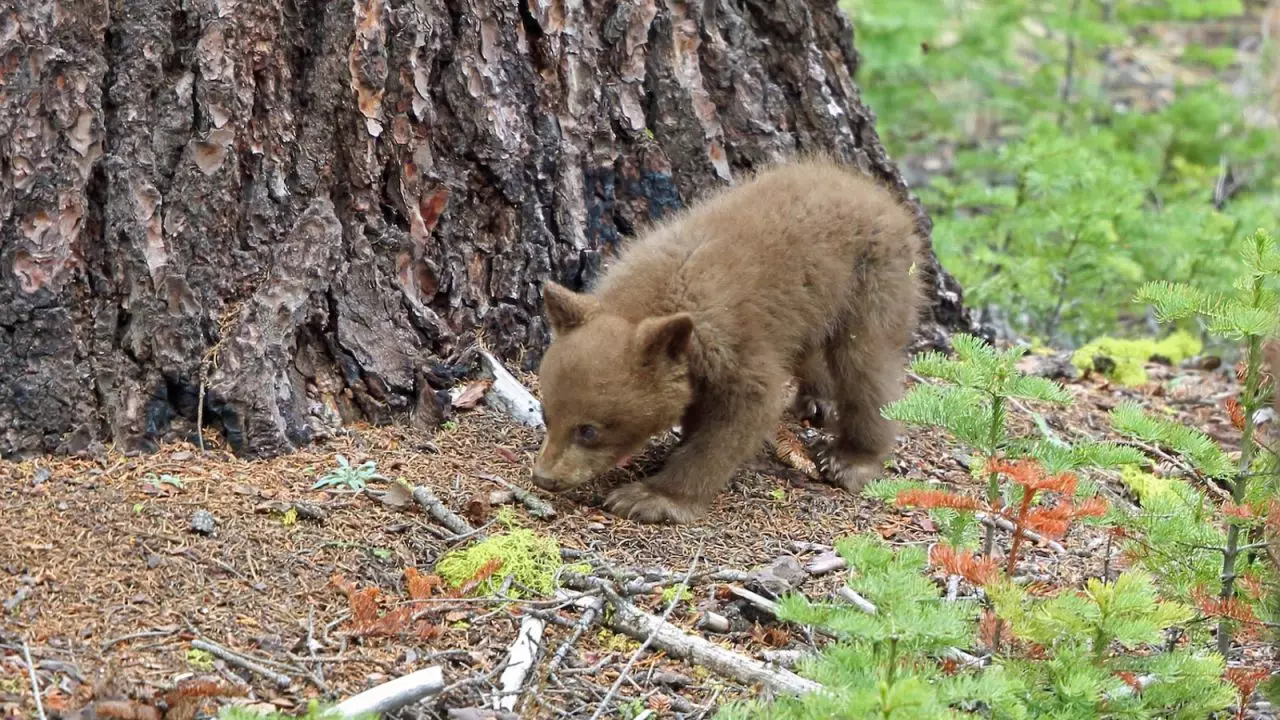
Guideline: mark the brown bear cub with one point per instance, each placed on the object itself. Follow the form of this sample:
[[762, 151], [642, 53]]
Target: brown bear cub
[[806, 271]]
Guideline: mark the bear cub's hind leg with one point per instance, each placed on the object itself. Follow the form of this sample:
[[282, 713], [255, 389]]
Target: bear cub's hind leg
[[865, 378]]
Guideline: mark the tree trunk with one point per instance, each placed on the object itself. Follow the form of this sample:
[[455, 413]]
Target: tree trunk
[[274, 216]]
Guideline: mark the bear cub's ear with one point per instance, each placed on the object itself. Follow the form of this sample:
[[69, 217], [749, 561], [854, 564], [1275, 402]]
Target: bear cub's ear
[[665, 339], [566, 309]]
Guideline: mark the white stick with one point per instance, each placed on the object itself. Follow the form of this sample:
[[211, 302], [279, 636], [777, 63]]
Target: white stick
[[631, 621], [825, 563], [851, 596], [759, 601], [35, 683], [392, 695], [524, 653], [509, 396]]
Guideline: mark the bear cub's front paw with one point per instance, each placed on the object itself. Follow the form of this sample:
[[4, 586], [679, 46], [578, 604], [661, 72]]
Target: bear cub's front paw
[[641, 502]]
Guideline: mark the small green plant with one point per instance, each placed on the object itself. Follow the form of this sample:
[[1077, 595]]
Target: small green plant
[[886, 664], [348, 476], [1250, 315], [164, 479], [1075, 663], [1122, 360], [676, 593], [981, 383]]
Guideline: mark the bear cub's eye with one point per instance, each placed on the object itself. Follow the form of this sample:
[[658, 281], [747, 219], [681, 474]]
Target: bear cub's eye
[[587, 434]]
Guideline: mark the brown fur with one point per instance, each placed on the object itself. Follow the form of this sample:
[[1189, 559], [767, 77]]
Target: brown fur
[[805, 271]]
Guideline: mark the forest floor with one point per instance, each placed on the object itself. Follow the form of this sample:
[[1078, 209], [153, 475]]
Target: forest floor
[[104, 578]]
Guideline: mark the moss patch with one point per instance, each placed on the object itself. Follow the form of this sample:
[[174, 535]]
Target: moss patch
[[1145, 485], [1122, 360], [532, 559]]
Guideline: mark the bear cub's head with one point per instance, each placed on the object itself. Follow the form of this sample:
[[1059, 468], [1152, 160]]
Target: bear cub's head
[[608, 385]]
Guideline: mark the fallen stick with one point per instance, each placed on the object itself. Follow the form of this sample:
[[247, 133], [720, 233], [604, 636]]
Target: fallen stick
[[524, 653], [825, 563], [242, 662], [635, 623], [591, 606], [852, 597], [454, 522], [392, 695], [35, 682], [1031, 535], [648, 640], [786, 658], [538, 507], [758, 601], [509, 396]]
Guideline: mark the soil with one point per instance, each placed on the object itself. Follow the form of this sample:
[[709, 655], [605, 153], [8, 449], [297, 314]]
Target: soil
[[105, 579]]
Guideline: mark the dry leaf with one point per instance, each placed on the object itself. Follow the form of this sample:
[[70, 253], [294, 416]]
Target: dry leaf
[[477, 509], [506, 454], [471, 395], [395, 495]]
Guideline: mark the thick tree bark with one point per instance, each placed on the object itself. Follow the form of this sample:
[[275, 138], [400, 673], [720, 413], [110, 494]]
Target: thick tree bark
[[298, 210]]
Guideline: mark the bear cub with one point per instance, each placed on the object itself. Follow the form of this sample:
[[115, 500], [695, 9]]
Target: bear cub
[[807, 271]]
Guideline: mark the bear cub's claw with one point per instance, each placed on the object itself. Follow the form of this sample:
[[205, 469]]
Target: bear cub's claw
[[639, 501], [850, 473]]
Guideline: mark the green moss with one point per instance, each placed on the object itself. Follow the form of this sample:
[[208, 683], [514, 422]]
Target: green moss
[[1126, 357], [1179, 346], [532, 559], [1145, 485]]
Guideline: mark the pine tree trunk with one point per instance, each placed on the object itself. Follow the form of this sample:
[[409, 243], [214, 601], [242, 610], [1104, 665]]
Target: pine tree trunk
[[299, 210]]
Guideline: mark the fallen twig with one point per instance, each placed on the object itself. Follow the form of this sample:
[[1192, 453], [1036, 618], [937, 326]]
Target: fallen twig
[[635, 623], [524, 653], [455, 523], [393, 695], [758, 601], [650, 581], [538, 507], [1008, 526], [852, 597], [243, 662], [591, 605], [786, 658], [825, 563], [157, 632], [35, 682], [626, 669]]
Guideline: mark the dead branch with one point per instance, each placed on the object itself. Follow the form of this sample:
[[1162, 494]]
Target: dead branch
[[635, 623], [852, 597], [626, 669], [455, 523], [538, 507], [592, 605], [825, 563], [35, 682], [523, 656], [243, 662], [758, 601], [393, 695], [1008, 526]]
